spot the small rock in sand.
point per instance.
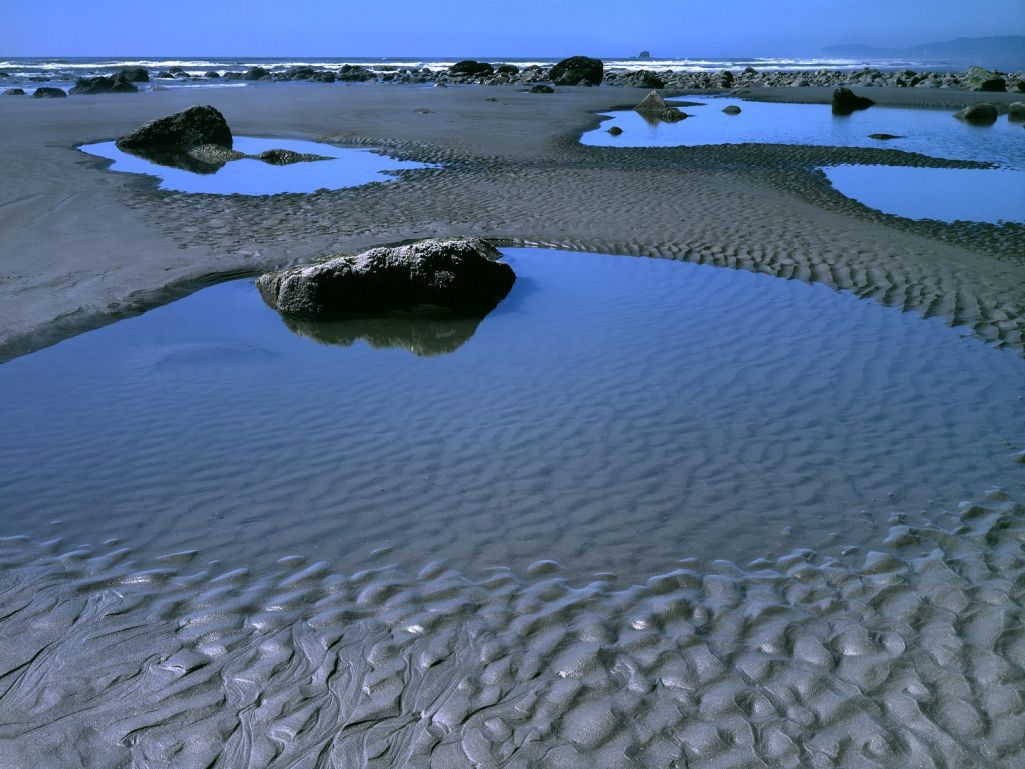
(615, 130)
(46, 92)
(884, 137)
(541, 88)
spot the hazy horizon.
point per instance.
(532, 29)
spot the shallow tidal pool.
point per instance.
(345, 167)
(613, 414)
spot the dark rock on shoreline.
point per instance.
(615, 130)
(257, 73)
(508, 69)
(656, 108)
(46, 92)
(732, 109)
(1016, 111)
(982, 113)
(471, 68)
(14, 92)
(541, 88)
(884, 137)
(135, 74)
(352, 73)
(845, 101)
(461, 275)
(91, 86)
(642, 78)
(182, 130)
(576, 68)
(212, 74)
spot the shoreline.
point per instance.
(514, 173)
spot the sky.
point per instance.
(467, 28)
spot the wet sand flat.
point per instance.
(83, 246)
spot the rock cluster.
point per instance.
(458, 275)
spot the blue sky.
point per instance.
(484, 28)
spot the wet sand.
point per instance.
(84, 246)
(906, 652)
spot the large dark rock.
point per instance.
(256, 73)
(353, 73)
(471, 68)
(845, 101)
(644, 55)
(182, 130)
(576, 68)
(90, 86)
(508, 69)
(299, 73)
(982, 113)
(458, 275)
(1016, 111)
(46, 92)
(979, 79)
(14, 92)
(135, 74)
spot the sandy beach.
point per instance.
(85, 247)
(263, 554)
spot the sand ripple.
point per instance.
(909, 655)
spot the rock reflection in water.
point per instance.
(423, 335)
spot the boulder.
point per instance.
(471, 68)
(165, 75)
(457, 275)
(541, 88)
(642, 78)
(845, 101)
(508, 69)
(182, 131)
(353, 73)
(982, 113)
(256, 73)
(656, 109)
(1015, 110)
(212, 74)
(732, 109)
(91, 86)
(980, 79)
(576, 68)
(135, 74)
(46, 92)
(14, 92)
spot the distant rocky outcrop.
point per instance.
(135, 74)
(46, 92)
(575, 69)
(845, 101)
(456, 275)
(91, 86)
(644, 55)
(471, 68)
(257, 73)
(642, 78)
(182, 130)
(982, 113)
(656, 108)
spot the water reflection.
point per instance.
(226, 172)
(425, 336)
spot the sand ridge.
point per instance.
(515, 173)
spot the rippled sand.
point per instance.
(911, 654)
